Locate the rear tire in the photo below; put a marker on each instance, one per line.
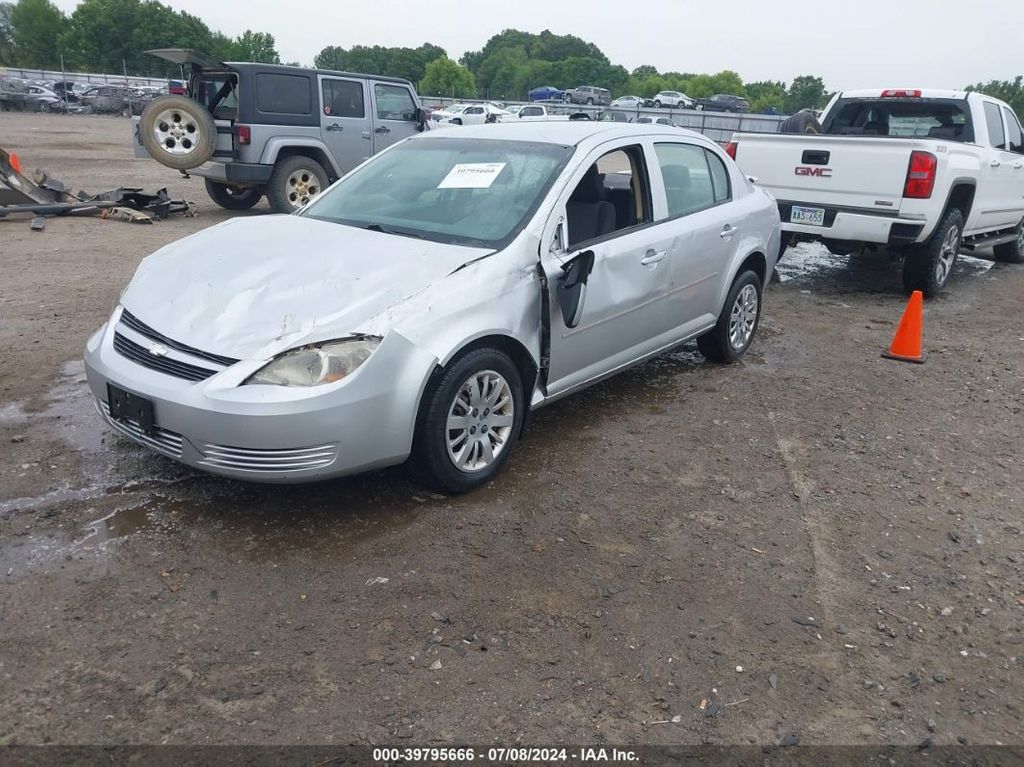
(178, 132)
(737, 325)
(657, 105)
(294, 182)
(438, 446)
(803, 121)
(927, 267)
(1011, 252)
(233, 197)
(590, 102)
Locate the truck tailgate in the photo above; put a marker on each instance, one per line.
(842, 171)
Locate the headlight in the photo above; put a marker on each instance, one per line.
(316, 364)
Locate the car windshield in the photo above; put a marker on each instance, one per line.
(459, 191)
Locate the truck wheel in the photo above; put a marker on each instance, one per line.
(1011, 252)
(233, 197)
(178, 132)
(294, 182)
(803, 121)
(927, 267)
(730, 338)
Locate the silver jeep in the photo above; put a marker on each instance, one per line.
(287, 132)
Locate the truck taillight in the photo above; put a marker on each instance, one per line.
(730, 149)
(900, 93)
(920, 176)
(244, 134)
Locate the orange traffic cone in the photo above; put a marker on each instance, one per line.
(906, 344)
(15, 162)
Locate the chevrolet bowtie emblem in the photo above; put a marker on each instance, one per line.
(158, 350)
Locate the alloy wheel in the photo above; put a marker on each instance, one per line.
(176, 132)
(743, 317)
(480, 421)
(947, 255)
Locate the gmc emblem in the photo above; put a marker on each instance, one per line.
(803, 170)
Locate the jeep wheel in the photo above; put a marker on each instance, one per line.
(233, 197)
(178, 132)
(294, 182)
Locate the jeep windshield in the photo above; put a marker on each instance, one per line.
(451, 190)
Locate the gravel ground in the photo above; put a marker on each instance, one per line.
(815, 543)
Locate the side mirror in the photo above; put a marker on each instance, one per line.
(421, 119)
(572, 287)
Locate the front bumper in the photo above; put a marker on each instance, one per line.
(271, 433)
(856, 225)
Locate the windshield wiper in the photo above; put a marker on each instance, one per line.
(387, 230)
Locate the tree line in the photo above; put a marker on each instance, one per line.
(108, 35)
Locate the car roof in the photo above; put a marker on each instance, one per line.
(561, 133)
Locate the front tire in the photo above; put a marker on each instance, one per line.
(294, 182)
(927, 267)
(1011, 252)
(590, 102)
(469, 422)
(233, 197)
(737, 325)
(657, 105)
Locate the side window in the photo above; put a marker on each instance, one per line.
(613, 195)
(394, 102)
(688, 184)
(994, 120)
(532, 112)
(1015, 139)
(719, 177)
(283, 94)
(474, 111)
(343, 98)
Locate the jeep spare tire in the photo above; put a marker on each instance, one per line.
(178, 132)
(803, 121)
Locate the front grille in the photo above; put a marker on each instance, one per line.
(257, 460)
(172, 367)
(133, 322)
(163, 441)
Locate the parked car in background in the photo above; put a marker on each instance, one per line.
(614, 115)
(478, 114)
(252, 129)
(40, 99)
(445, 288)
(654, 121)
(590, 95)
(672, 99)
(177, 87)
(723, 102)
(926, 173)
(627, 102)
(113, 99)
(442, 116)
(533, 113)
(546, 93)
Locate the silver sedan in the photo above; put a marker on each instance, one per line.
(423, 304)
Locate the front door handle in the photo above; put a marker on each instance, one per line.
(995, 163)
(366, 135)
(383, 129)
(335, 127)
(1018, 165)
(652, 257)
(728, 232)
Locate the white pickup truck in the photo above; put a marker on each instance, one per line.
(925, 172)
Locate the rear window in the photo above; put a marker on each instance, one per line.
(283, 94)
(901, 118)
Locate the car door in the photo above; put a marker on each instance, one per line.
(396, 114)
(345, 121)
(1014, 159)
(704, 226)
(619, 313)
(996, 203)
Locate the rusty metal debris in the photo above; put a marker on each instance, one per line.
(43, 195)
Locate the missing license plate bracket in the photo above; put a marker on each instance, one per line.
(125, 406)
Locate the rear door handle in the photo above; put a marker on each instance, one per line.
(1018, 165)
(383, 129)
(334, 127)
(728, 232)
(652, 257)
(995, 163)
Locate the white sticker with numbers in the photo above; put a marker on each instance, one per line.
(472, 175)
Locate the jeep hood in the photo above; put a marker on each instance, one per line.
(252, 287)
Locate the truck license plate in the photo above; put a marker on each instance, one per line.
(809, 216)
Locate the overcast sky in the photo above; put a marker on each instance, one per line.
(857, 43)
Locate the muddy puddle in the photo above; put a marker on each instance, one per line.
(811, 263)
(122, 494)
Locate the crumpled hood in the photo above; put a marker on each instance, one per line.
(253, 286)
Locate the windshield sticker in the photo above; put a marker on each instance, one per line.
(472, 175)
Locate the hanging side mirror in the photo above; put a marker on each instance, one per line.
(572, 287)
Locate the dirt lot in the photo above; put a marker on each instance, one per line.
(815, 542)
